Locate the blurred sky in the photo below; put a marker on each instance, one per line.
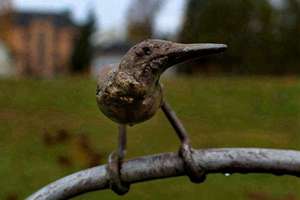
(110, 13)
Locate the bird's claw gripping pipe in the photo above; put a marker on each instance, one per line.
(114, 165)
(194, 172)
(113, 169)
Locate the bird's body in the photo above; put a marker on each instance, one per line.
(125, 100)
(130, 93)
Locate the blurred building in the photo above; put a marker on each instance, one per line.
(42, 43)
(6, 68)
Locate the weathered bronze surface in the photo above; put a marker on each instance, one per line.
(130, 93)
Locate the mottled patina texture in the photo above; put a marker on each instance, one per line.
(277, 162)
(130, 92)
(125, 100)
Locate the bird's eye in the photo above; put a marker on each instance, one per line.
(143, 51)
(139, 52)
(147, 50)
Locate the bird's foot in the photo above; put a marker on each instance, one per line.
(195, 173)
(113, 168)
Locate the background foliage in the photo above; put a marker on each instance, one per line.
(263, 37)
(140, 19)
(52, 132)
(83, 52)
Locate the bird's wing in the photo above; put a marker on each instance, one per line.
(104, 73)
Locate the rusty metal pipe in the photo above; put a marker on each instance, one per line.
(227, 160)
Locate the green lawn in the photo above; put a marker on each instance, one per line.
(50, 128)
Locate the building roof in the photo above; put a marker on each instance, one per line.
(117, 47)
(23, 18)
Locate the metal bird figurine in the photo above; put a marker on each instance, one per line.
(130, 93)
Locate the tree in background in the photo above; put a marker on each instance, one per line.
(288, 50)
(82, 54)
(141, 16)
(262, 39)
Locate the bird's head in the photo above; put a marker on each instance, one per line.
(150, 58)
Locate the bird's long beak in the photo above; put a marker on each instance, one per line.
(179, 53)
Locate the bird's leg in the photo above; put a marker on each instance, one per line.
(195, 173)
(114, 164)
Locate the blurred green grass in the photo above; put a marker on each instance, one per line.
(217, 112)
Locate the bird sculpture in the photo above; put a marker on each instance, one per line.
(130, 92)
